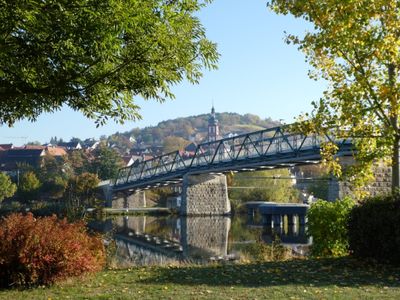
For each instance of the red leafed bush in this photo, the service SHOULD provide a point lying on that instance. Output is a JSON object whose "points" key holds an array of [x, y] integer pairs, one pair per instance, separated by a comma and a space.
{"points": [[45, 250]]}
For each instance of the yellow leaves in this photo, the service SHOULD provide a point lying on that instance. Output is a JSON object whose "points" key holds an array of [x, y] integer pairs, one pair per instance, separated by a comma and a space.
{"points": [[328, 151], [384, 91]]}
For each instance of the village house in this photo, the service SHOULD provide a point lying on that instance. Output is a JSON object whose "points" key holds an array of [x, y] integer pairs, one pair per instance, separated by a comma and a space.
{"points": [[13, 158], [69, 146]]}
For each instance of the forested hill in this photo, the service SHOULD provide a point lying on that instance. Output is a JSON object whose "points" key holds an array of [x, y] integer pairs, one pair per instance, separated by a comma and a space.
{"points": [[193, 128]]}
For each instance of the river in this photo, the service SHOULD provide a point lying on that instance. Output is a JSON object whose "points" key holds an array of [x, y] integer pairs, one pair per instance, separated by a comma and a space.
{"points": [[166, 240]]}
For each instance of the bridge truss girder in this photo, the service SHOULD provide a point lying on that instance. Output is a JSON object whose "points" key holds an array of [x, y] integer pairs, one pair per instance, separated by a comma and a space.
{"points": [[270, 148]]}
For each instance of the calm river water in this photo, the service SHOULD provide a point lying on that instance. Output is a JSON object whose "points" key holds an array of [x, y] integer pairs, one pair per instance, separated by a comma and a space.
{"points": [[161, 240]]}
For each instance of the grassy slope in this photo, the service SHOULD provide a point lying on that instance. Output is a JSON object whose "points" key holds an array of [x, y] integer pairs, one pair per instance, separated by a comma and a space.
{"points": [[298, 279]]}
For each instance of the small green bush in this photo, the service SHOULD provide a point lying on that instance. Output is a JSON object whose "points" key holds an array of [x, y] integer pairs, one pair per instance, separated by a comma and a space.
{"points": [[37, 251], [7, 187], [260, 251], [29, 186], [327, 224], [374, 230]]}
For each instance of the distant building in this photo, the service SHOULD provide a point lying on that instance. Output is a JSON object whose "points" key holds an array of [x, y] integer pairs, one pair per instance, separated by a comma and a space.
{"points": [[11, 159], [32, 155], [213, 127], [230, 135], [90, 144], [192, 147], [56, 151], [146, 150], [71, 146], [6, 146], [129, 160]]}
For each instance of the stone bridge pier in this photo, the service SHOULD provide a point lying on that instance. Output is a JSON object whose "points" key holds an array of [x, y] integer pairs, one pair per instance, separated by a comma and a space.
{"points": [[127, 200], [381, 184], [205, 194]]}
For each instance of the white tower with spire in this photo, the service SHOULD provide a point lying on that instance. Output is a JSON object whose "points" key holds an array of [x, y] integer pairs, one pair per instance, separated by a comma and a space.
{"points": [[213, 127]]}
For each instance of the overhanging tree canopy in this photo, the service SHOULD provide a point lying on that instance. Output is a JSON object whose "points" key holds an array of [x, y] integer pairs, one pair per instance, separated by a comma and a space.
{"points": [[96, 55], [355, 47]]}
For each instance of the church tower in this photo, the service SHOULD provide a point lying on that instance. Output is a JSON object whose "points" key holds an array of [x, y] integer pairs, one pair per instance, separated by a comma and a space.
{"points": [[213, 127]]}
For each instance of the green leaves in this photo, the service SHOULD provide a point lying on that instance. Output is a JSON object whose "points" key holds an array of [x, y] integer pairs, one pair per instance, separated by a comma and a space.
{"points": [[106, 163], [7, 187], [263, 186], [355, 47], [327, 224], [96, 56]]}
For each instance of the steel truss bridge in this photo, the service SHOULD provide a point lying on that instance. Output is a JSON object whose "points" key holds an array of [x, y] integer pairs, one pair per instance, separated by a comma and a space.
{"points": [[277, 147]]}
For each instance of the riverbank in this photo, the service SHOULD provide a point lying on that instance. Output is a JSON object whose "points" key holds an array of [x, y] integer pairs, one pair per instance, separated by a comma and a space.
{"points": [[296, 279]]}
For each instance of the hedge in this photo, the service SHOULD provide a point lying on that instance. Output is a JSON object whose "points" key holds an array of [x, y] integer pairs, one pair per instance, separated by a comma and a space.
{"points": [[374, 229]]}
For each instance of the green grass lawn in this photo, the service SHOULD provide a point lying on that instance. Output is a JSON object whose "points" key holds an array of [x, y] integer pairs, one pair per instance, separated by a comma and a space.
{"points": [[296, 279]]}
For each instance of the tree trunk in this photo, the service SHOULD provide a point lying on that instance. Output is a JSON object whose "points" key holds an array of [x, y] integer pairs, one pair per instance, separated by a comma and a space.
{"points": [[396, 165], [394, 119]]}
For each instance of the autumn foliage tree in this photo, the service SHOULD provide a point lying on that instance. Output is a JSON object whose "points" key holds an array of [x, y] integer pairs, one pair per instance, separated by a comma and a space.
{"points": [[355, 47], [173, 143], [81, 190]]}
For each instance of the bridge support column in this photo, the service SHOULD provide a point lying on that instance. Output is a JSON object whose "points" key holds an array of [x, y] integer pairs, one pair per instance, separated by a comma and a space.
{"points": [[267, 220], [129, 200], [277, 219], [205, 195], [302, 220], [291, 219]]}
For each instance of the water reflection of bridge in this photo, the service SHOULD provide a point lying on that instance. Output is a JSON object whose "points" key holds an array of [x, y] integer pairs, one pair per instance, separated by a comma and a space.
{"points": [[148, 240], [143, 240], [285, 222]]}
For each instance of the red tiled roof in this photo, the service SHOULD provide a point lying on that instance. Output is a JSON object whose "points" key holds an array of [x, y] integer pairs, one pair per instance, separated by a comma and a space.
{"points": [[147, 157], [127, 159], [6, 146], [38, 147], [23, 152], [56, 151]]}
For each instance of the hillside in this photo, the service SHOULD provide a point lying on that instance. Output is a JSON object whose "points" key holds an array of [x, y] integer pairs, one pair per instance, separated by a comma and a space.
{"points": [[189, 129]]}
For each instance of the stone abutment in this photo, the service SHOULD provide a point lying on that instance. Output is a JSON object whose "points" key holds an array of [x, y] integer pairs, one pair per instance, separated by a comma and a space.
{"points": [[205, 194]]}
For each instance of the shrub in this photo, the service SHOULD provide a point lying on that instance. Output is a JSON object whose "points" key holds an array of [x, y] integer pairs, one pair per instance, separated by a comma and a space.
{"points": [[45, 250], [7, 188], [260, 251], [83, 185], [327, 224], [374, 230], [55, 187], [81, 193], [29, 186]]}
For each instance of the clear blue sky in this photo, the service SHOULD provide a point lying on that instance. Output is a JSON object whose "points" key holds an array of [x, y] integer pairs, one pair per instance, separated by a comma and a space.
{"points": [[258, 73]]}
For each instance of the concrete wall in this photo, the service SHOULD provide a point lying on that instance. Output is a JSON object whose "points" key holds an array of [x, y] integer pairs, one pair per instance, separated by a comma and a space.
{"points": [[205, 195]]}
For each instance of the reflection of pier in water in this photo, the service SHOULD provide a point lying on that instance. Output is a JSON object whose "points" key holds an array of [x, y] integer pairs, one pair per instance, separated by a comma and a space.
{"points": [[144, 240], [286, 222]]}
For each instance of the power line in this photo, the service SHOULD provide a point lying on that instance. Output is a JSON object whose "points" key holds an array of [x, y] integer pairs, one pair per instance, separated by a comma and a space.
{"points": [[286, 177]]}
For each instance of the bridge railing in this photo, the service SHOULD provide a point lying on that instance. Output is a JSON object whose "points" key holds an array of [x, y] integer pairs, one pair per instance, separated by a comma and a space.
{"points": [[264, 143]]}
